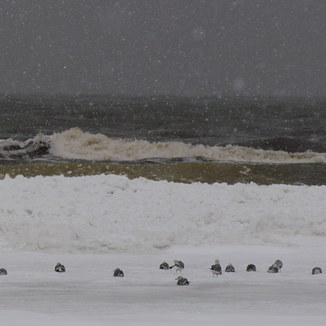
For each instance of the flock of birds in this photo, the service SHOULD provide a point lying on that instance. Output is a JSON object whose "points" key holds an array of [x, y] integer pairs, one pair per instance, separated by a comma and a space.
{"points": [[216, 269]]}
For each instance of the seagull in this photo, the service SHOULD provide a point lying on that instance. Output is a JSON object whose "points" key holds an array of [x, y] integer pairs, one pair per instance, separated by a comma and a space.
{"points": [[278, 263], [229, 268], [251, 268], [273, 269], [59, 268], [179, 265], [317, 270], [164, 265], [118, 273], [216, 269], [182, 281], [3, 271]]}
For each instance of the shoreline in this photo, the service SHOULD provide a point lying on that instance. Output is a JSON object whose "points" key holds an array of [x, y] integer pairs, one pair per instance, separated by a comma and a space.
{"points": [[181, 172]]}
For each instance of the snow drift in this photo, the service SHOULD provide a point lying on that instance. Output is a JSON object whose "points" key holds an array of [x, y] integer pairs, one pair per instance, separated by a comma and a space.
{"points": [[112, 213]]}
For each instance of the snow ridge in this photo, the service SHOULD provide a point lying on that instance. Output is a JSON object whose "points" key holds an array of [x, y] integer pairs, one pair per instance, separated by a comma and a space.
{"points": [[113, 213]]}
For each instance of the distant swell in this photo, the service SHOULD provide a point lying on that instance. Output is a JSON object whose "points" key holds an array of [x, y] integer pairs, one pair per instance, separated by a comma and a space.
{"points": [[74, 144]]}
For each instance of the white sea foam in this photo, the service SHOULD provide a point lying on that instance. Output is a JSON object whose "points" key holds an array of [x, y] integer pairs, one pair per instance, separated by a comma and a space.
{"points": [[11, 148], [76, 144], [113, 213]]}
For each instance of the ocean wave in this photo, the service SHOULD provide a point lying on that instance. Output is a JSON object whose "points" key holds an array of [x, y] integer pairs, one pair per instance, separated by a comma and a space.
{"points": [[34, 147], [75, 144]]}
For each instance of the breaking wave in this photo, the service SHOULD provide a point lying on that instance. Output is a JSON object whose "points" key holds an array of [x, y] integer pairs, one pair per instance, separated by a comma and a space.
{"points": [[31, 148], [74, 144]]}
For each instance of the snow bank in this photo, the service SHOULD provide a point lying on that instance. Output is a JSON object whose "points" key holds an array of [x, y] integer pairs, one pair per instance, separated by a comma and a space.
{"points": [[112, 213]]}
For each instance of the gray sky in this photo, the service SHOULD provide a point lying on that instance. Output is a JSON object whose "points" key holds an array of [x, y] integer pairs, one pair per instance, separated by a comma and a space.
{"points": [[182, 47]]}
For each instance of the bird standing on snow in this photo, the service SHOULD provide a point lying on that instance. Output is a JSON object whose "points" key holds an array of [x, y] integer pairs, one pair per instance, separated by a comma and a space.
{"points": [[216, 269], [182, 281], [179, 265], [278, 263]]}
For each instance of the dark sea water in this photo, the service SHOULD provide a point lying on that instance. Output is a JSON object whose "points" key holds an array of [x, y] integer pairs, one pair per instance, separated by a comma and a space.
{"points": [[287, 134]]}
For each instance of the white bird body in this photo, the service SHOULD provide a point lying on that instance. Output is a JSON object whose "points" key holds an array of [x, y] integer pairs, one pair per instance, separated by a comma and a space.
{"points": [[182, 281], [273, 269], [278, 263], [179, 265], [216, 269]]}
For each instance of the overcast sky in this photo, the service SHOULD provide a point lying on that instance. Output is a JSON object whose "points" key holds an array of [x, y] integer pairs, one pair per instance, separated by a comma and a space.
{"points": [[182, 47]]}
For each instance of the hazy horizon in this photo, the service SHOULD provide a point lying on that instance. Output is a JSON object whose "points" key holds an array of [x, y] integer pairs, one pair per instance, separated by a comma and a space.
{"points": [[233, 96]]}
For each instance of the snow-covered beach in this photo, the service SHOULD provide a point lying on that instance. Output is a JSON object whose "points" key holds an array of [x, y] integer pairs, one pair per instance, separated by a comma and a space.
{"points": [[95, 224], [140, 134]]}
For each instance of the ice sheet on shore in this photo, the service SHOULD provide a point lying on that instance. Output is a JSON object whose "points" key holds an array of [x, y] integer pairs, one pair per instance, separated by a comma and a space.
{"points": [[87, 294], [108, 213]]}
